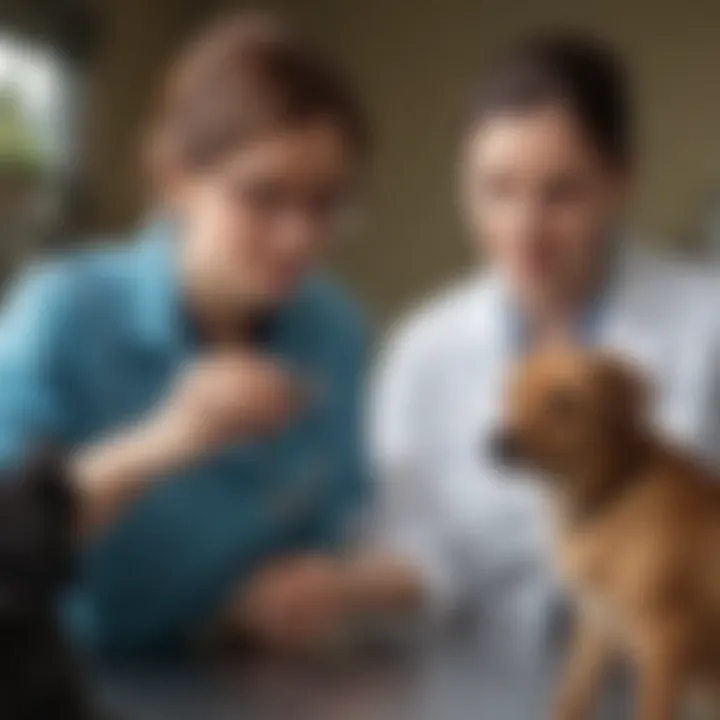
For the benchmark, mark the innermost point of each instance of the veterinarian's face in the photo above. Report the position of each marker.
(567, 411)
(539, 198)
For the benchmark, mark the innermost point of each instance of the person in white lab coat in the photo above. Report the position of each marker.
(546, 167)
(546, 172)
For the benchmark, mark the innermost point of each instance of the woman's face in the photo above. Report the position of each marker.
(539, 197)
(259, 220)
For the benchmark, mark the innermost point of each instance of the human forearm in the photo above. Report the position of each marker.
(112, 473)
(384, 585)
(302, 601)
(222, 399)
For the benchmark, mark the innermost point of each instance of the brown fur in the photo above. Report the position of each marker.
(638, 530)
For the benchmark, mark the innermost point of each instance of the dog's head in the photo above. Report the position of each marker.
(571, 413)
(36, 536)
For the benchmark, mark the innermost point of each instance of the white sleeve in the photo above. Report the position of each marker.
(707, 436)
(409, 521)
(710, 432)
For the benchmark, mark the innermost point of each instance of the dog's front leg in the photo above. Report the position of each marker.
(660, 662)
(581, 679)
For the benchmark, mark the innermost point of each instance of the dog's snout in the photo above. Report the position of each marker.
(504, 447)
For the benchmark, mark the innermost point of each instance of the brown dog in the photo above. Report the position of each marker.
(638, 538)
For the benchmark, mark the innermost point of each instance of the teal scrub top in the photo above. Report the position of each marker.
(89, 344)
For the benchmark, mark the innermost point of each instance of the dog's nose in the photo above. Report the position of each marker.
(504, 448)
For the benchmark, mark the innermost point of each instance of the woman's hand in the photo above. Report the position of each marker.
(294, 605)
(307, 603)
(221, 399)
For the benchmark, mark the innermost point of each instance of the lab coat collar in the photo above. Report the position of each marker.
(627, 308)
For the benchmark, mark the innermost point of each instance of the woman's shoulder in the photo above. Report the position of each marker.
(86, 265)
(71, 285)
(330, 308)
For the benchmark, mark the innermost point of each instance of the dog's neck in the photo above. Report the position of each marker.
(598, 486)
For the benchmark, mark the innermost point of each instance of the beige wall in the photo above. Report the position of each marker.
(413, 60)
(137, 36)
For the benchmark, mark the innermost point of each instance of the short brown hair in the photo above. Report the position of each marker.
(580, 72)
(245, 75)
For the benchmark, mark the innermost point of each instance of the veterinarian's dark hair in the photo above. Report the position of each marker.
(578, 72)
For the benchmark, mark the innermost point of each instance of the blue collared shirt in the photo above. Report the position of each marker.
(89, 344)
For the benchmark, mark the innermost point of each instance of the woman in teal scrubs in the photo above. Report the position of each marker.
(205, 374)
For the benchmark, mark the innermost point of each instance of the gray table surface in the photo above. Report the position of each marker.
(473, 675)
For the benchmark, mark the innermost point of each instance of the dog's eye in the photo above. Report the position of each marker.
(561, 402)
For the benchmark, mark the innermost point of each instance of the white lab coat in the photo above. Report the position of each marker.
(480, 538)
